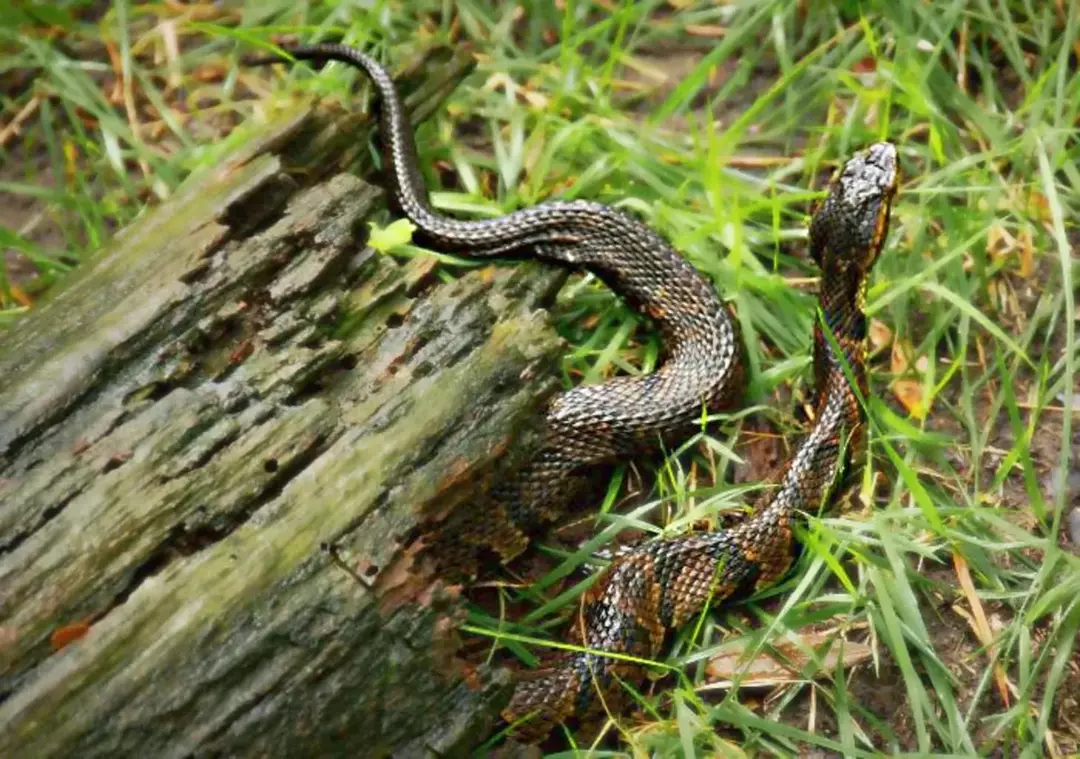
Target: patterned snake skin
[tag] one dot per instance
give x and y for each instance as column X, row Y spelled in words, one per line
column 661, row 584
column 589, row 424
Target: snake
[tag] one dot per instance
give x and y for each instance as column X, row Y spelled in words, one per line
column 657, row 585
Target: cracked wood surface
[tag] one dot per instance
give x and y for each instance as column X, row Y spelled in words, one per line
column 214, row 443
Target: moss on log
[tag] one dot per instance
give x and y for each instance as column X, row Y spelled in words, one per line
column 214, row 441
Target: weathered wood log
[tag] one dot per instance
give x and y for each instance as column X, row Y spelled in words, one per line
column 213, row 442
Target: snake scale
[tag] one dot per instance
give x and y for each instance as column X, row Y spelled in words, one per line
column 659, row 584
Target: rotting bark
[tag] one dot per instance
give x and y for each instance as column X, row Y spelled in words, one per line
column 213, row 441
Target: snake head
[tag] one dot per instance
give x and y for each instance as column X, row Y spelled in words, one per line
column 849, row 226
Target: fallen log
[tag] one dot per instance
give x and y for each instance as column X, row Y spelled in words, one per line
column 215, row 441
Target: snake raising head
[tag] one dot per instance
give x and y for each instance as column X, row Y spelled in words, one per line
column 656, row 586
column 662, row 584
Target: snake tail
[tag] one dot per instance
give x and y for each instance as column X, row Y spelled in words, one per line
column 662, row 584
column 702, row 367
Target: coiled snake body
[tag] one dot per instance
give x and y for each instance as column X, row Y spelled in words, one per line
column 660, row 584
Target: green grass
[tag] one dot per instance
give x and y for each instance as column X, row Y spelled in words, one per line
column 570, row 100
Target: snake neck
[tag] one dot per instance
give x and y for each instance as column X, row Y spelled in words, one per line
column 811, row 476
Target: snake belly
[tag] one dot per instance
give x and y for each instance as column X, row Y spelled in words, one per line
column 661, row 584
column 588, row 425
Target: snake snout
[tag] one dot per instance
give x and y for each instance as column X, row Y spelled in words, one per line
column 882, row 155
column 869, row 177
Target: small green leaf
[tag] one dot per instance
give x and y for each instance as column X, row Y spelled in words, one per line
column 385, row 239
